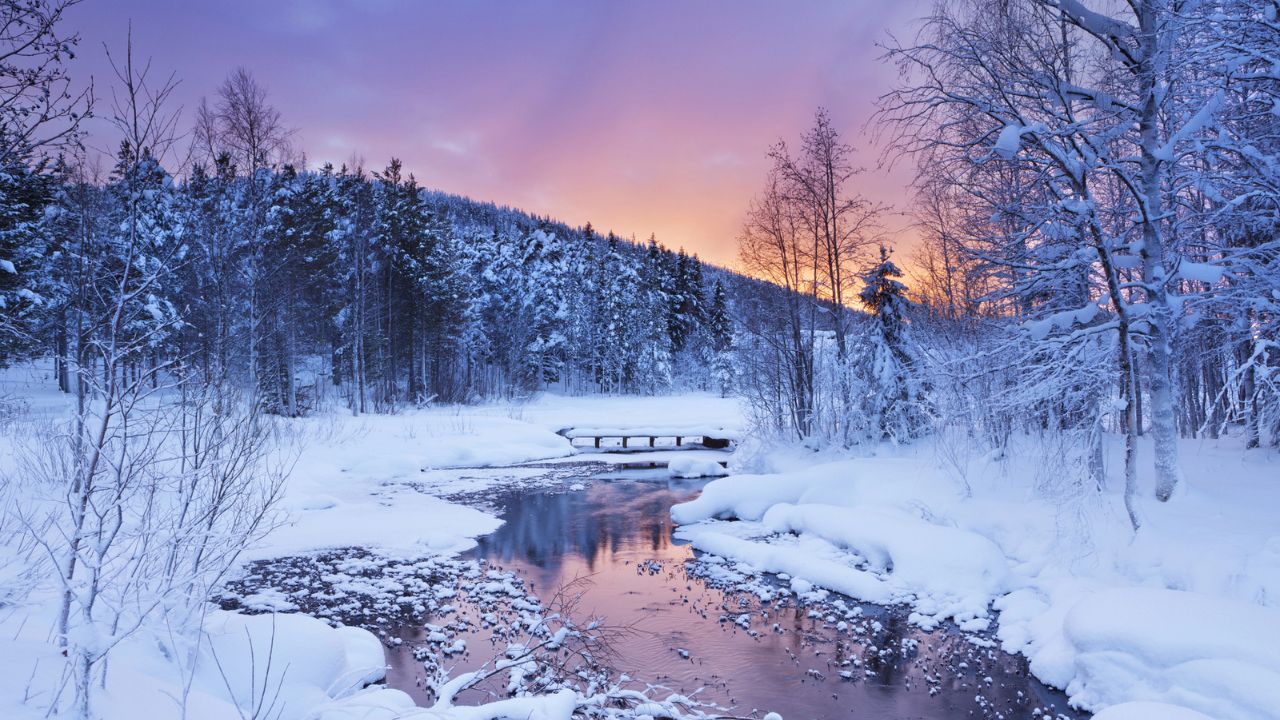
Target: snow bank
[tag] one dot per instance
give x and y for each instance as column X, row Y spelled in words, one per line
column 808, row 559
column 301, row 662
column 393, row 519
column 951, row 573
column 947, row 572
column 374, row 703
column 846, row 483
column 1181, row 621
column 1216, row 656
column 745, row 497
column 359, row 481
column 696, row 467
column 393, row 446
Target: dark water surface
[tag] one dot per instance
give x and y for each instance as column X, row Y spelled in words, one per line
column 617, row 533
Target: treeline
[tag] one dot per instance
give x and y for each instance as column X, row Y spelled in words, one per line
column 332, row 284
column 336, row 281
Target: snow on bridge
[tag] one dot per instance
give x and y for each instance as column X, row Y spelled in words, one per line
column 646, row 437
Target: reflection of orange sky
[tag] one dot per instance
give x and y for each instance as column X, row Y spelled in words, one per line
column 638, row 117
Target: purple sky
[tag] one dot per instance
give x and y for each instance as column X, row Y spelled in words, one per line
column 637, row 116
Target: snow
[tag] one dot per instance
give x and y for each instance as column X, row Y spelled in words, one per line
column 1008, row 142
column 1187, row 613
column 696, row 467
column 1181, row 621
column 660, row 431
column 1200, row 272
column 956, row 570
column 379, row 483
column 1040, row 329
column 1219, row 656
column 300, row 659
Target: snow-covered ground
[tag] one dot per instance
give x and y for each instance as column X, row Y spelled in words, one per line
column 375, row 482
column 1183, row 618
column 1180, row 621
column 361, row 481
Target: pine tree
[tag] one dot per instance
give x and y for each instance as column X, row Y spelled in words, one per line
column 297, row 263
column 24, row 194
column 893, row 405
column 719, row 329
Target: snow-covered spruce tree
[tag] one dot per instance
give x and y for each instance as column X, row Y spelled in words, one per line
column 294, row 256
column 25, row 193
column 40, row 116
column 208, row 285
column 659, row 322
column 719, row 346
column 893, row 402
column 545, row 282
column 618, row 285
column 350, row 236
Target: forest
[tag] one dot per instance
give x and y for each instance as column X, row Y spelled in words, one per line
column 303, row 285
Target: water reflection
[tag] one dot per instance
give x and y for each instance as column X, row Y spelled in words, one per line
column 608, row 521
column 618, row 533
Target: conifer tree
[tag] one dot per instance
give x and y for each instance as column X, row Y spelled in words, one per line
column 893, row 404
column 719, row 328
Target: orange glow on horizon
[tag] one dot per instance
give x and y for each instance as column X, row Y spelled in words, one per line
column 641, row 119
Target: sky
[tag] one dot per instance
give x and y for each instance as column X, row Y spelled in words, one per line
column 639, row 117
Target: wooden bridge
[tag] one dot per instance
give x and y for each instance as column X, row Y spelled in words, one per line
column 642, row 439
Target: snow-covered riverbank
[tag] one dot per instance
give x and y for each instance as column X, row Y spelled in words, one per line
column 1183, row 614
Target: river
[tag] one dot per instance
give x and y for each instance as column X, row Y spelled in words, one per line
column 823, row 660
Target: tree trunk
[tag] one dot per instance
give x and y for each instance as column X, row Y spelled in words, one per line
column 1163, row 431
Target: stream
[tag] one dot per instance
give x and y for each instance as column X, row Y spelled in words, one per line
column 612, row 534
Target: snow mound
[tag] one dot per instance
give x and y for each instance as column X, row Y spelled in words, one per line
column 1215, row 656
column 878, row 482
column 373, row 703
column 872, row 554
column 745, row 497
column 695, row 467
column 309, row 662
column 951, row 573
